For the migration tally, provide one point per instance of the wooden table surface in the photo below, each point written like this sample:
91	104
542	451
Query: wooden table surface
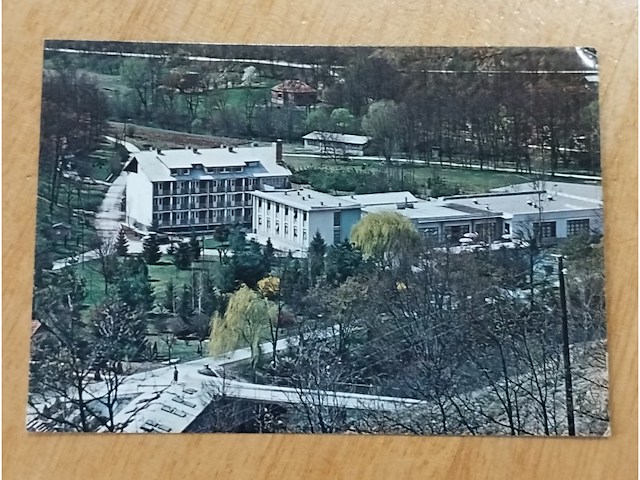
608	25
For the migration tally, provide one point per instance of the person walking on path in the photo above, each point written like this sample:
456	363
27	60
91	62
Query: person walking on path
175	374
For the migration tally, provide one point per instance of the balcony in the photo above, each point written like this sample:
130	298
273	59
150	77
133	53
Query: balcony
162	208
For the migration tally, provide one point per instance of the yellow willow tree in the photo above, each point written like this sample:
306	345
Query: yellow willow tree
245	322
270	289
388	238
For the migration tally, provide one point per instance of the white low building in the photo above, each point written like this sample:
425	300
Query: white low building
335	144
291	218
199	189
552	211
447	222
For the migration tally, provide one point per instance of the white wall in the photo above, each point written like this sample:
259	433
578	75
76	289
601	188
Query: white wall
289	225
139	192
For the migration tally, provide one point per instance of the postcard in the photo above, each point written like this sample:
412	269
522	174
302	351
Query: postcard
319	239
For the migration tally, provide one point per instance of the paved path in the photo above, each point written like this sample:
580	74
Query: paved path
109	215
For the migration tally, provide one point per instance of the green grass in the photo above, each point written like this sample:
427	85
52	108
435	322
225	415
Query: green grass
159	276
165	270
111	84
469	181
94	283
213	243
237	96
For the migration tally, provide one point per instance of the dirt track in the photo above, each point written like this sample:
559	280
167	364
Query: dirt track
145	137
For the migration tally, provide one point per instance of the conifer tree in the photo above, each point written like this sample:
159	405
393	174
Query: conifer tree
151	250
182	258
122	244
317	250
170	297
195	246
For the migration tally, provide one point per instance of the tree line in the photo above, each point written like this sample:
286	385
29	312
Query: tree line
486	107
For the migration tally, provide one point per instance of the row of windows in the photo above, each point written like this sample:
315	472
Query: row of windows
287	209
203	217
286	228
211	214
574	227
235	197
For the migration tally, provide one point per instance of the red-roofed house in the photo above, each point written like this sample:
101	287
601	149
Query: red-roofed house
293	92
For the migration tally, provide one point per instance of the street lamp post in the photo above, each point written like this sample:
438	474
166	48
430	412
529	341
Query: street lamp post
568	384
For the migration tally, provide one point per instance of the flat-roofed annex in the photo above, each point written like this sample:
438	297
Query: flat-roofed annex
527	203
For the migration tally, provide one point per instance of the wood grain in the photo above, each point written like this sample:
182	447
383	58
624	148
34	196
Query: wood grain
610	26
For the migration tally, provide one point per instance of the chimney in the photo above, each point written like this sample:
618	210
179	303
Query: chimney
279	151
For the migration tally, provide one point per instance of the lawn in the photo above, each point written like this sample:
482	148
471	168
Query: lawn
469	181
165	270
159	276
211	242
237	96
94	283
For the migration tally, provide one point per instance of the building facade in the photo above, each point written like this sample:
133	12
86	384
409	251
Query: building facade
290	219
199	189
446	223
